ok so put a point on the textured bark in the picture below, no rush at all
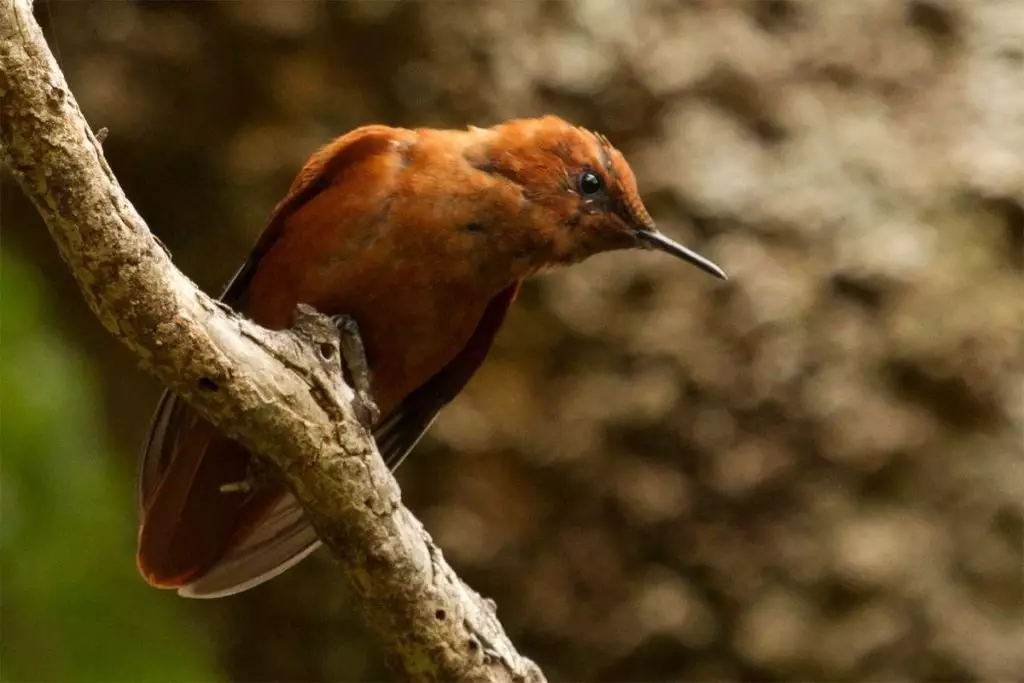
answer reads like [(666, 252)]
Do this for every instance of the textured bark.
[(279, 393)]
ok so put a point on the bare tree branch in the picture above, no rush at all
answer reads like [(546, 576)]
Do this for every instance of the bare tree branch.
[(279, 393)]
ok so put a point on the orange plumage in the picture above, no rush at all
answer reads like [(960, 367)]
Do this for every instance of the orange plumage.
[(423, 238)]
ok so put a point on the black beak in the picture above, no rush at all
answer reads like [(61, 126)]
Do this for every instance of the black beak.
[(652, 239)]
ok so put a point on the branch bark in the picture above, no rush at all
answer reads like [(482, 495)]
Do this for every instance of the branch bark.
[(279, 393)]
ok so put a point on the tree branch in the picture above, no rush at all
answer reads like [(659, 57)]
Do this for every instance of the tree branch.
[(281, 394)]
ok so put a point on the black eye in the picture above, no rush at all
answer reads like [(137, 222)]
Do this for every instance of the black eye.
[(590, 183)]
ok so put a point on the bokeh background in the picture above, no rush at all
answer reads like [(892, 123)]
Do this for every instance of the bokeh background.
[(814, 471)]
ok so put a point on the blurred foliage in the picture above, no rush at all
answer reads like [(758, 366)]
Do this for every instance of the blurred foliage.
[(814, 471), (74, 608)]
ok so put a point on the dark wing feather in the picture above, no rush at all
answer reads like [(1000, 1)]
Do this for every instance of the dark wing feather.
[(403, 429)]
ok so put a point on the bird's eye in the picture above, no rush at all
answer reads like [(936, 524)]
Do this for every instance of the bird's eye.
[(590, 183)]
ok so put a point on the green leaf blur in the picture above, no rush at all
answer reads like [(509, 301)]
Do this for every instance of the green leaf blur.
[(73, 609)]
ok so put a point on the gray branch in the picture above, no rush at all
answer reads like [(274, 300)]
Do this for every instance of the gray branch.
[(281, 394)]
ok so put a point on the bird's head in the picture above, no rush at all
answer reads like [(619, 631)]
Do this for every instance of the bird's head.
[(583, 191)]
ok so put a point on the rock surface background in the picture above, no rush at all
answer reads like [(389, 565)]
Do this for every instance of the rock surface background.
[(813, 471)]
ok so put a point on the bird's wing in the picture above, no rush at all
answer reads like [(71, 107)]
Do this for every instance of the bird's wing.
[(400, 432), (325, 168)]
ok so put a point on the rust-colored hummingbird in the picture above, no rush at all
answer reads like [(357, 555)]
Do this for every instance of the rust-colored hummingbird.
[(422, 238)]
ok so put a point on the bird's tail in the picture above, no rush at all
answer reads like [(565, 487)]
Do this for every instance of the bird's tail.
[(196, 536)]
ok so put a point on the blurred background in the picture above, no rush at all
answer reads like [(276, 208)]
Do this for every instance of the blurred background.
[(814, 471)]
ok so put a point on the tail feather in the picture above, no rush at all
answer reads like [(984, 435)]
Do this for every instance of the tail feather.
[(187, 520), (209, 543), (155, 458), (282, 539)]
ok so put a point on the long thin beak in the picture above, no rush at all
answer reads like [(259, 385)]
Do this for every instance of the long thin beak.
[(652, 239)]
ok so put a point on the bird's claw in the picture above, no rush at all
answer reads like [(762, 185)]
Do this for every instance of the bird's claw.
[(255, 479), (366, 409), (243, 486), (354, 355)]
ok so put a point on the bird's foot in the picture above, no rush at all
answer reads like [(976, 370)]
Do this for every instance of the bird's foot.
[(244, 486), (255, 479), (354, 355)]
